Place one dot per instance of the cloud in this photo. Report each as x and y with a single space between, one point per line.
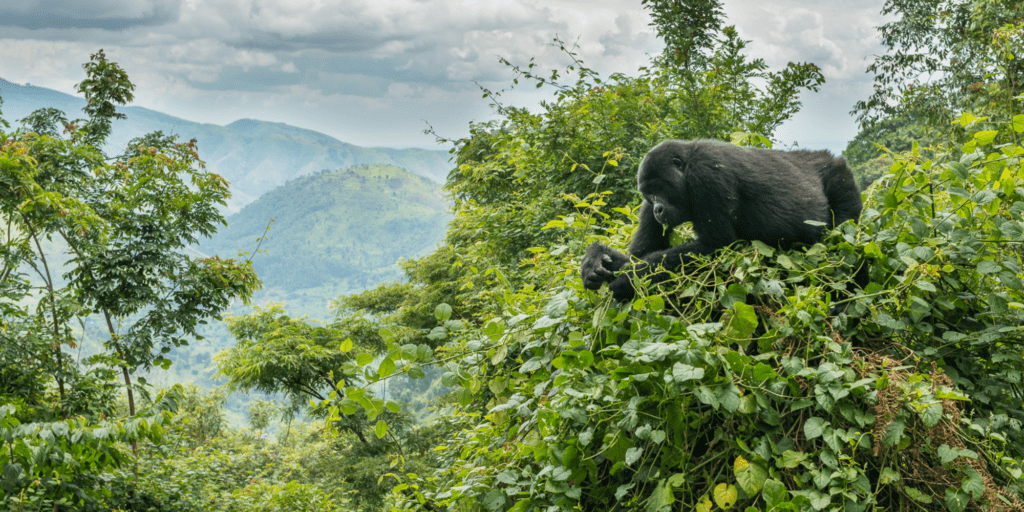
85 14
340 65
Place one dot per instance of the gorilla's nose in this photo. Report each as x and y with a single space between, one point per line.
659 211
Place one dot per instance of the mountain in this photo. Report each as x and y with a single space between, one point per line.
335 232
255 156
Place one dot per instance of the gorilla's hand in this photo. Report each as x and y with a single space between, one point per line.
600 264
622 287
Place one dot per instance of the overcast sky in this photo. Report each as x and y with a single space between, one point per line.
376 72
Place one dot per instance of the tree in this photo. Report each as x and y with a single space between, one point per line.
315 365
84 234
946 57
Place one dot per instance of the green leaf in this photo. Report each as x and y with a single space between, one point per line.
494 499
381 429
443 312
763 248
956 500
931 415
683 372
814 427
363 359
661 499
986 137
917 495
633 455
888 476
791 459
728 396
386 368
750 475
725 495
743 322
973 484
346 346
1018 123
347 406
774 494
494 330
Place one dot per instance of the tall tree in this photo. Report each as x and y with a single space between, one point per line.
86 234
946 57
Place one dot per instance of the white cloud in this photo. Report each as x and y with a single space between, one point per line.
336 65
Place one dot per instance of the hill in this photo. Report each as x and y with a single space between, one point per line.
336 232
255 156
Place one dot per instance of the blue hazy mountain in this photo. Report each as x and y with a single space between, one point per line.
255 156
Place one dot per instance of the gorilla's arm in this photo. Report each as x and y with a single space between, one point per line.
601 262
711 214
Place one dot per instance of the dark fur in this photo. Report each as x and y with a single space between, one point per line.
729 193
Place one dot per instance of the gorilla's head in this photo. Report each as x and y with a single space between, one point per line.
661 180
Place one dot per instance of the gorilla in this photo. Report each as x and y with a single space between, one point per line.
729 193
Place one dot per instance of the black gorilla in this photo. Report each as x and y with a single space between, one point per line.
729 193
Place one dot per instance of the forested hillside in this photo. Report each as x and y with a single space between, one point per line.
757 378
254 156
335 232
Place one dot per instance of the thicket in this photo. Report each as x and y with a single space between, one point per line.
732 386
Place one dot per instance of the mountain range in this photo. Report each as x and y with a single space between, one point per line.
334 232
254 156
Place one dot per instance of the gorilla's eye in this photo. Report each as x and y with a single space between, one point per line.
677 162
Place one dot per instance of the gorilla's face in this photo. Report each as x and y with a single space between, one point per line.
661 181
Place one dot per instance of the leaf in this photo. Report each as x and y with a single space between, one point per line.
750 475
888 476
931 415
728 396
494 330
633 455
814 427
1018 123
364 359
661 499
346 346
386 368
791 459
704 505
725 495
956 500
986 136
381 429
683 372
774 494
347 406
973 484
443 312
763 248
743 322
917 495
494 499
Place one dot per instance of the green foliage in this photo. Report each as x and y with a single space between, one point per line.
946 57
734 386
343 228
327 371
124 222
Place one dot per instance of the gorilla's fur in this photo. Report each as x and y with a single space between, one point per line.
729 193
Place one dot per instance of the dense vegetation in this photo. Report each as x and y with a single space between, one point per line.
342 230
732 386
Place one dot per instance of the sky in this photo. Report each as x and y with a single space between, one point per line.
379 72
